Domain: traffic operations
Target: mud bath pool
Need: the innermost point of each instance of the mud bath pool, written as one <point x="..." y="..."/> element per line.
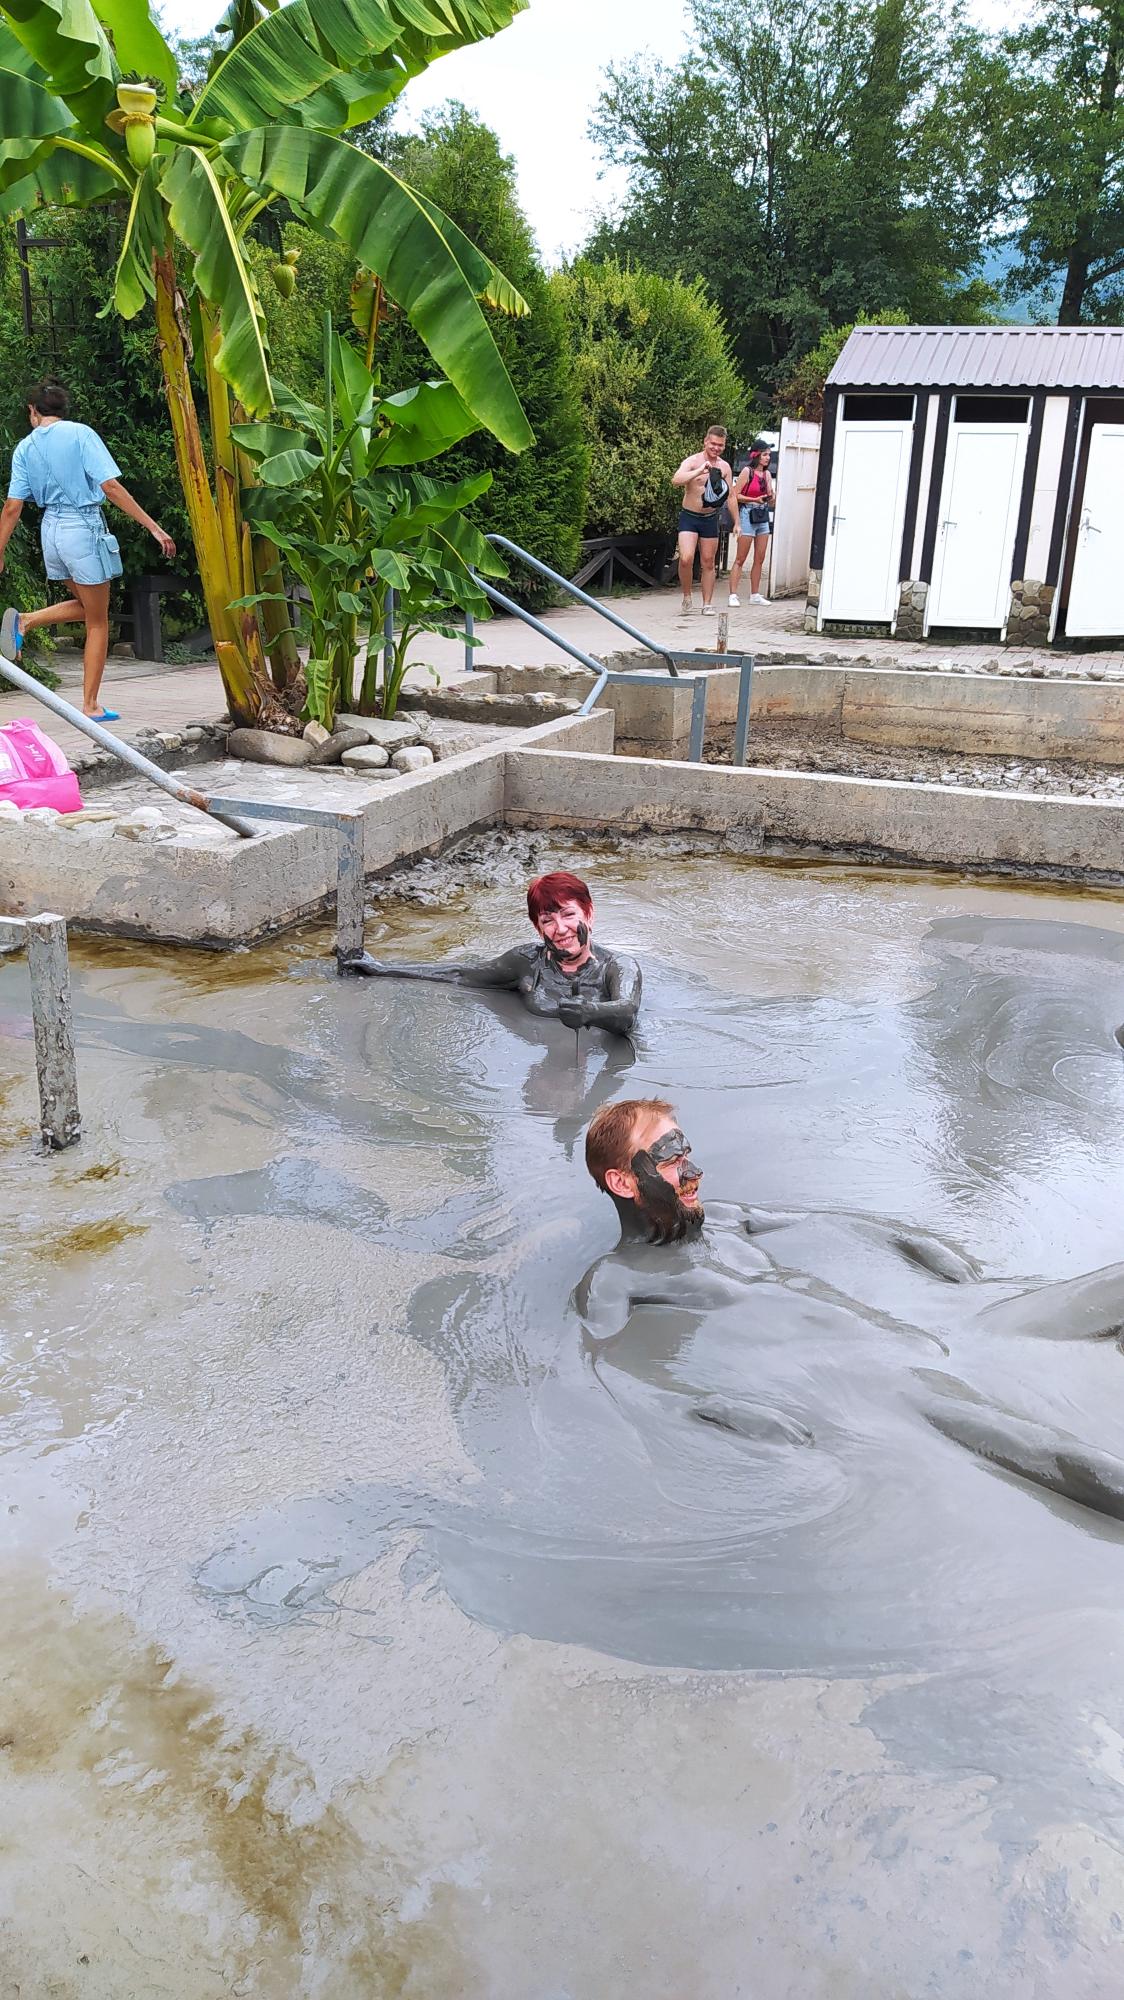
<point x="402" y="1595"/>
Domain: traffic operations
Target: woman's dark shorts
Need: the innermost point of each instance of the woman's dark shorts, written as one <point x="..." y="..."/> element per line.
<point x="705" y="526"/>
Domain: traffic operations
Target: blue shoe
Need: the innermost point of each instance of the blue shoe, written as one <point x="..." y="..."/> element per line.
<point x="104" y="715"/>
<point x="11" y="638"/>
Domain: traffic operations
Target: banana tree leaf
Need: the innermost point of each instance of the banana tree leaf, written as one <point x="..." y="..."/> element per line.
<point x="145" y="236"/>
<point x="199" y="215"/>
<point x="390" y="567"/>
<point x="15" y="57"/>
<point x="30" y="119"/>
<point x="70" y="45"/>
<point x="138" y="43"/>
<point x="328" y="64"/>
<point x="62" y="179"/>
<point x="266" y="440"/>
<point x="486" y="279"/>
<point x="289" y="468"/>
<point x="386" y="227"/>
<point x="289" y="404"/>
<point x="471" y="546"/>
<point x="425" y="421"/>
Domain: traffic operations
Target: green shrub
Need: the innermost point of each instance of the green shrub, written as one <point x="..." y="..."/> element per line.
<point x="538" y="499"/>
<point x="653" y="369"/>
<point x="800" y="392"/>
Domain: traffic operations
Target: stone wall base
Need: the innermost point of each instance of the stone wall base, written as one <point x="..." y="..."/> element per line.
<point x="1028" y="620"/>
<point x="910" y="620"/>
<point x="812" y="606"/>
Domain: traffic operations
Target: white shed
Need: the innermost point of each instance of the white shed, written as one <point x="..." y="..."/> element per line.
<point x="971" y="479"/>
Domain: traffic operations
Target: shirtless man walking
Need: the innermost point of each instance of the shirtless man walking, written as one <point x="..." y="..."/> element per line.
<point x="708" y="487"/>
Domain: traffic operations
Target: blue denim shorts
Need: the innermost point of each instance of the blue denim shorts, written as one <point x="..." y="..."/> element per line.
<point x="751" y="527"/>
<point x="77" y="546"/>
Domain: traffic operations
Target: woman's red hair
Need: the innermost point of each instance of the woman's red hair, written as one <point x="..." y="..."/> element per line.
<point x="551" y="891"/>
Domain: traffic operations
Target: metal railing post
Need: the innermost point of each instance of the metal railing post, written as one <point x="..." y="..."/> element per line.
<point x="469" y="648"/>
<point x="698" y="718"/>
<point x="741" y="727"/>
<point x="563" y="583"/>
<point x="48" y="963"/>
<point x="388" y="632"/>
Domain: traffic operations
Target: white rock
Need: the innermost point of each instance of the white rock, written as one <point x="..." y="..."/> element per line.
<point x="41" y="815"/>
<point x="10" y="810"/>
<point x="144" y="823"/>
<point x="412" y="757"/>
<point x="368" y="757"/>
<point x="316" y="734"/>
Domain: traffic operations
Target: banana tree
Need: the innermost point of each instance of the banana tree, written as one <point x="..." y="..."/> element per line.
<point x="339" y="493"/>
<point x="91" y="110"/>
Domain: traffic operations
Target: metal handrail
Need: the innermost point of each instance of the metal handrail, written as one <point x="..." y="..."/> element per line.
<point x="583" y="597"/>
<point x="135" y="759"/>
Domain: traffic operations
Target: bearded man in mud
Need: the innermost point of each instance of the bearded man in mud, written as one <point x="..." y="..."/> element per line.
<point x="638" y="1155"/>
<point x="564" y="978"/>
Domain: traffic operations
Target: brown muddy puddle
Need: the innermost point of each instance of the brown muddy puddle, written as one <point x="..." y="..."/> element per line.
<point x="407" y="1592"/>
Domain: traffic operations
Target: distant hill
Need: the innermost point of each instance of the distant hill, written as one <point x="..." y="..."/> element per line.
<point x="994" y="268"/>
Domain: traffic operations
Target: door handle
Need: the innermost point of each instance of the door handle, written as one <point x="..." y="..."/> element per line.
<point x="836" y="516"/>
<point x="1088" y="526"/>
<point x="947" y="524"/>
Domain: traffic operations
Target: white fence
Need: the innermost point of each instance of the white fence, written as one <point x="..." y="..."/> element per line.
<point x="798" y="458"/>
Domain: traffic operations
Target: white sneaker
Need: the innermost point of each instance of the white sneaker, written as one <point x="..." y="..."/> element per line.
<point x="735" y="601"/>
<point x="708" y="611"/>
<point x="758" y="599"/>
<point x="687" y="604"/>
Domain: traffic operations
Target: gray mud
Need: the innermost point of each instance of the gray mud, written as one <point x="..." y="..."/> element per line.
<point x="375" y="1519"/>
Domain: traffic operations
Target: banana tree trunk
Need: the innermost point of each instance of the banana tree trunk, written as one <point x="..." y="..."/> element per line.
<point x="221" y="584"/>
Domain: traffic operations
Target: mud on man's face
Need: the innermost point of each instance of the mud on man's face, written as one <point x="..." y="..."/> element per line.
<point x="663" y="1181"/>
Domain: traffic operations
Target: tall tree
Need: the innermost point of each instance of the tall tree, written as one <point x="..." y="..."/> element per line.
<point x="808" y="162"/>
<point x="1057" y="125"/>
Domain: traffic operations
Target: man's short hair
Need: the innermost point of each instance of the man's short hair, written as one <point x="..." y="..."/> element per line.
<point x="716" y="431"/>
<point x="549" y="893"/>
<point x="608" y="1142"/>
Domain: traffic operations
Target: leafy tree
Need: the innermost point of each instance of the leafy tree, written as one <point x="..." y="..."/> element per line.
<point x="810" y="162"/>
<point x="800" y="392"/>
<point x="653" y="369"/>
<point x="197" y="168"/>
<point x="539" y="499"/>
<point x="1054" y="108"/>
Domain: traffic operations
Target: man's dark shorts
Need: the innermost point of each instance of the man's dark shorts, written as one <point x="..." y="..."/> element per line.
<point x="705" y="526"/>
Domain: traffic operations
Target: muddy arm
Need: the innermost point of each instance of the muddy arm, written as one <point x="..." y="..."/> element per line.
<point x="505" y="971"/>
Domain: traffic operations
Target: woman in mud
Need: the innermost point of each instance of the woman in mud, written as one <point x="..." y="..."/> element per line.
<point x="68" y="472"/>
<point x="566" y="977"/>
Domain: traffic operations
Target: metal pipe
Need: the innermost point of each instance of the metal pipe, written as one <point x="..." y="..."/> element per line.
<point x="186" y="794"/>
<point x="507" y="604"/>
<point x="698" y="718"/>
<point x="741" y="727"/>
<point x="388" y="633"/>
<point x="661" y="652"/>
<point x="350" y="877"/>
<point x="469" y="648"/>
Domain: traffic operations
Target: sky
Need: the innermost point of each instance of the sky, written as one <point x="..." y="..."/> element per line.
<point x="535" y="85"/>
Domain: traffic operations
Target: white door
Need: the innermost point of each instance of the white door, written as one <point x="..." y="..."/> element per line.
<point x="983" y="483"/>
<point x="864" y="525"/>
<point x="1096" y="592"/>
<point x="791" y="540"/>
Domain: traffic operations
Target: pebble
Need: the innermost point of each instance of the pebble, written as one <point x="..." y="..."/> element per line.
<point x="40" y="815"/>
<point x="10" y="810"/>
<point x="316" y="734"/>
<point x="412" y="757"/>
<point x="366" y="757"/>
<point x="268" y="746"/>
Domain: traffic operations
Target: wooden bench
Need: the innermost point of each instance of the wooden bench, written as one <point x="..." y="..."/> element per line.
<point x="141" y="621"/>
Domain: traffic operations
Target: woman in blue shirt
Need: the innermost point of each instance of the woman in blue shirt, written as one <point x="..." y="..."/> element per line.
<point x="67" y="471"/>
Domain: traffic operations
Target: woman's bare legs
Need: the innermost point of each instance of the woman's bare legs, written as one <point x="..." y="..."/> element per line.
<point x="739" y="563"/>
<point x="90" y="603"/>
<point x="760" y="551"/>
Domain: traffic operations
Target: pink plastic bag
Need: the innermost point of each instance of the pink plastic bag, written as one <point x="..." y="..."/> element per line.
<point x="33" y="770"/>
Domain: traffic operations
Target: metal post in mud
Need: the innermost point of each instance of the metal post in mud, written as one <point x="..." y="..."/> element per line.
<point x="741" y="727"/>
<point x="723" y="631"/>
<point x="350" y="860"/>
<point x="388" y="633"/>
<point x="349" y="888"/>
<point x="698" y="718"/>
<point x="469" y="648"/>
<point x="48" y="963"/>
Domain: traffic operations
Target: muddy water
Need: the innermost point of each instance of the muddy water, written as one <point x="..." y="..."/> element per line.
<point x="408" y="1592"/>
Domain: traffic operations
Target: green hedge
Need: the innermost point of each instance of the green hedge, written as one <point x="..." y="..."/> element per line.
<point x="653" y="368"/>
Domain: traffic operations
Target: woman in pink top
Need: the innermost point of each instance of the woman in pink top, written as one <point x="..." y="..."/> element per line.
<point x="756" y="494"/>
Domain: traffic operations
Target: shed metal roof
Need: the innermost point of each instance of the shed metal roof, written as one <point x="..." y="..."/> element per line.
<point x="983" y="357"/>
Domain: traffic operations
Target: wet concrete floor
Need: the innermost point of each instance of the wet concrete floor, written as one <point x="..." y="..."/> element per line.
<point x="406" y="1593"/>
